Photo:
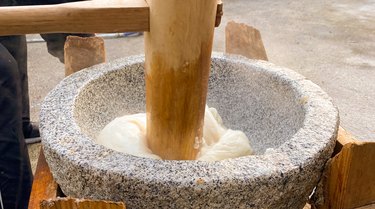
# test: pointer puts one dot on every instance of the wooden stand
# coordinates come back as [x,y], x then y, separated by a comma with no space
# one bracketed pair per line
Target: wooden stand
[45,195]
[71,203]
[44,187]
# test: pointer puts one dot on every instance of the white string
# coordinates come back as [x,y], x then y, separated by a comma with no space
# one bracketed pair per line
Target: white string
[1,201]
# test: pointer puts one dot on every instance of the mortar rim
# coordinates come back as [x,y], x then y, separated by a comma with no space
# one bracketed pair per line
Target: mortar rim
[286,152]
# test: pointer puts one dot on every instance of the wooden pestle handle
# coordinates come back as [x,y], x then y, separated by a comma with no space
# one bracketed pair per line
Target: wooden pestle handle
[178,57]
[98,16]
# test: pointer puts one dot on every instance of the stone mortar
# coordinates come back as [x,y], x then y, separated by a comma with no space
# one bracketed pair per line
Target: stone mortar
[291,123]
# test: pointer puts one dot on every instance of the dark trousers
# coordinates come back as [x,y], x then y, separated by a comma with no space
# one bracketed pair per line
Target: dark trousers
[16,46]
[15,169]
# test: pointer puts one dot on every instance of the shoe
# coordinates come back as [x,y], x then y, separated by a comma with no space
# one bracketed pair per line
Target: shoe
[31,133]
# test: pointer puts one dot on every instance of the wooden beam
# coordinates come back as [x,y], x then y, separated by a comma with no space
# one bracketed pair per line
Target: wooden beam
[98,16]
[95,16]
[44,187]
[178,57]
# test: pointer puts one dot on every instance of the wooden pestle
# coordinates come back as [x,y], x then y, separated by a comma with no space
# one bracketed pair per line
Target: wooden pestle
[178,57]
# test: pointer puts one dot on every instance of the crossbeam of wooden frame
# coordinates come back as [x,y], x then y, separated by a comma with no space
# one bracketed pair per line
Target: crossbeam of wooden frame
[94,16]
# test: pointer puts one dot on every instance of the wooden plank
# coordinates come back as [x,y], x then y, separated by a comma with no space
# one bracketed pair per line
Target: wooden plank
[343,137]
[360,185]
[95,16]
[371,206]
[44,187]
[70,203]
[83,52]
[244,40]
[178,58]
[349,180]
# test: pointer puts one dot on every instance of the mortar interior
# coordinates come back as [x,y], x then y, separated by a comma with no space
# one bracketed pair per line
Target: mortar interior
[266,108]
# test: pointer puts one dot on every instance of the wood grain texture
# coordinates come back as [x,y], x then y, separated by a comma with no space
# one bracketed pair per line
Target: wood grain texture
[244,40]
[71,203]
[349,179]
[83,52]
[97,16]
[44,187]
[178,57]
[371,206]
[343,137]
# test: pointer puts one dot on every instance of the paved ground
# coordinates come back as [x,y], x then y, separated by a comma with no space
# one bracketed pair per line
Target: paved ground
[331,42]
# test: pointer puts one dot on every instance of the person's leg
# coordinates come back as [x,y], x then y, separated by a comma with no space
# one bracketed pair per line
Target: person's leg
[17,47]
[15,169]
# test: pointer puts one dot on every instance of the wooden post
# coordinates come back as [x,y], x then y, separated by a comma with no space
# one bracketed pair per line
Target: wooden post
[178,57]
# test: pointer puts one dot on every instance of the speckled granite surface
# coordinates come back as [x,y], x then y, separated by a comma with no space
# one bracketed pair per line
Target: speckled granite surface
[291,122]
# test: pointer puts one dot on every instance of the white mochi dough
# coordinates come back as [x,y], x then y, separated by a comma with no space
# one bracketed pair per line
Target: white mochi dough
[127,134]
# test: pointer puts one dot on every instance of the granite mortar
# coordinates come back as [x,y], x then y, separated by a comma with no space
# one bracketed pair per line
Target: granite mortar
[291,123]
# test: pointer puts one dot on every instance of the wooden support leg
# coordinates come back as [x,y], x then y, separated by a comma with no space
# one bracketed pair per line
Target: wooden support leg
[70,203]
[44,187]
[79,53]
[244,40]
[178,57]
[349,178]
[83,52]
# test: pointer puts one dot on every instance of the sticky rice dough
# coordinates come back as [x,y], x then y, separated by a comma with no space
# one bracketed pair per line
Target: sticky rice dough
[127,134]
